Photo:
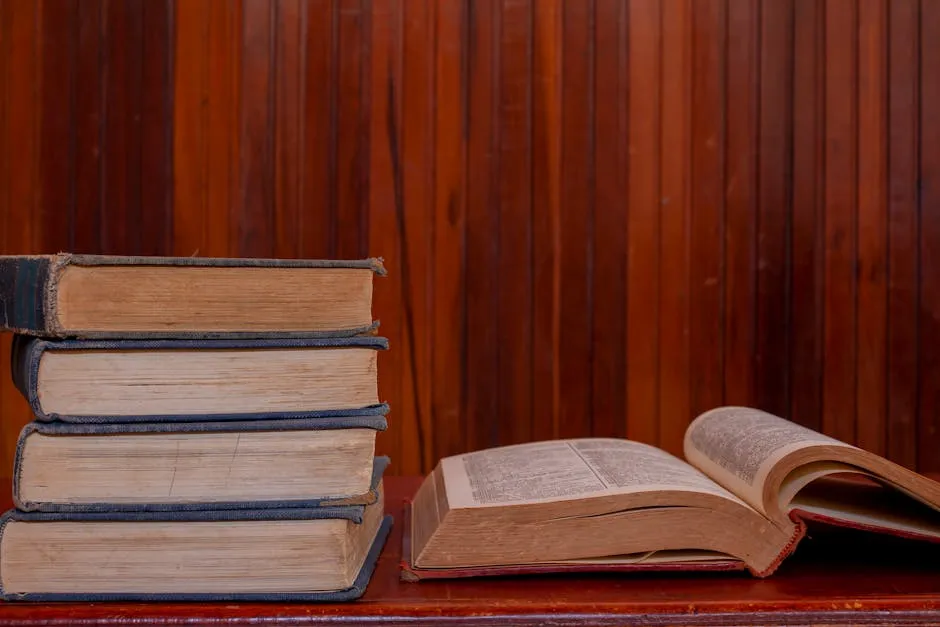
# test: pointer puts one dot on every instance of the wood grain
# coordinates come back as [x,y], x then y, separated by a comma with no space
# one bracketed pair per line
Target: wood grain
[807,245]
[903,223]
[611,86]
[742,132]
[600,217]
[708,279]
[385,196]
[546,218]
[448,317]
[514,237]
[576,219]
[481,136]
[643,217]
[772,258]
[839,367]
[872,262]
[928,324]
[414,221]
[20,27]
[674,269]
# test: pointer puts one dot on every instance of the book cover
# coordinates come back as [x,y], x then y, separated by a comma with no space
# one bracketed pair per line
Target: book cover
[352,513]
[30,298]
[27,352]
[380,463]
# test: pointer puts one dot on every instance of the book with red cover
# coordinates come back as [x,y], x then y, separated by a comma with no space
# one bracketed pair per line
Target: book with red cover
[750,486]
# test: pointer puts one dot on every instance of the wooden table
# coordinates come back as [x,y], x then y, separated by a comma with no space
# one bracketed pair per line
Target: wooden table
[824,583]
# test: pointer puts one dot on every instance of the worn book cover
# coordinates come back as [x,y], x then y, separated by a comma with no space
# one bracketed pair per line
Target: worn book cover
[274,554]
[104,296]
[141,477]
[104,381]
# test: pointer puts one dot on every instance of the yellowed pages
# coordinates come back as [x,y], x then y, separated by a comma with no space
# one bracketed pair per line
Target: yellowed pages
[739,446]
[562,470]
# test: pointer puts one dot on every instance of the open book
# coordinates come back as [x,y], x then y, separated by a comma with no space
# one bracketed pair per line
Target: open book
[741,500]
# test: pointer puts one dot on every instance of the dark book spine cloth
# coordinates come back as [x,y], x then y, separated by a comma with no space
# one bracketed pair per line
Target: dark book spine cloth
[24,290]
[379,464]
[27,352]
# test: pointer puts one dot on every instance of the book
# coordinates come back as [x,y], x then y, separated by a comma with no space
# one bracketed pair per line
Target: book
[268,554]
[61,467]
[741,499]
[197,380]
[105,296]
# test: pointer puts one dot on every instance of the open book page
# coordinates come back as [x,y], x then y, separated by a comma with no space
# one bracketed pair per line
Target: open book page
[868,504]
[738,446]
[566,469]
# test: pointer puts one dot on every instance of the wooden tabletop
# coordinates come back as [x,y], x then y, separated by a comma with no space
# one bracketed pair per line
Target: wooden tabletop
[854,580]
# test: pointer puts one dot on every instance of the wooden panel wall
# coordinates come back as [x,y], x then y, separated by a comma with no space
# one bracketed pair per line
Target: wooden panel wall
[601,217]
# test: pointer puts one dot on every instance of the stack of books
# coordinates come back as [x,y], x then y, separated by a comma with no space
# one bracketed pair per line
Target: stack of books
[204,429]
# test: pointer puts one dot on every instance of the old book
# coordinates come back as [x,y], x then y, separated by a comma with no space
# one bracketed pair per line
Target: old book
[741,499]
[271,554]
[197,380]
[102,296]
[167,466]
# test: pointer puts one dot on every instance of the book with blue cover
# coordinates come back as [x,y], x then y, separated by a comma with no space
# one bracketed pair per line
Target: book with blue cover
[62,467]
[269,554]
[150,380]
[106,296]
[204,429]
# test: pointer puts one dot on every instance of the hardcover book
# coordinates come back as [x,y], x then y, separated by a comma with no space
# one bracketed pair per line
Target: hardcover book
[741,500]
[101,381]
[62,467]
[103,296]
[270,554]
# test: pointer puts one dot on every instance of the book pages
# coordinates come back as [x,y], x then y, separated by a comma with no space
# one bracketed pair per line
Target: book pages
[737,447]
[566,469]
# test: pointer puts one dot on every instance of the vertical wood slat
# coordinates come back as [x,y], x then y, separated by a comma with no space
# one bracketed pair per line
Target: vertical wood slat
[706,332]
[514,265]
[807,245]
[351,164]
[577,112]
[222,111]
[190,152]
[903,176]
[742,133]
[317,200]
[611,86]
[546,218]
[675,190]
[414,222]
[928,329]
[156,143]
[56,206]
[89,115]
[839,382]
[120,175]
[509,160]
[385,195]
[871,264]
[253,224]
[774,145]
[20,140]
[448,317]
[288,126]
[482,223]
[643,214]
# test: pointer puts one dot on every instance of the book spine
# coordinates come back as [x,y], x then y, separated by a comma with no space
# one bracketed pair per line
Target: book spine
[18,502]
[25,299]
[24,364]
